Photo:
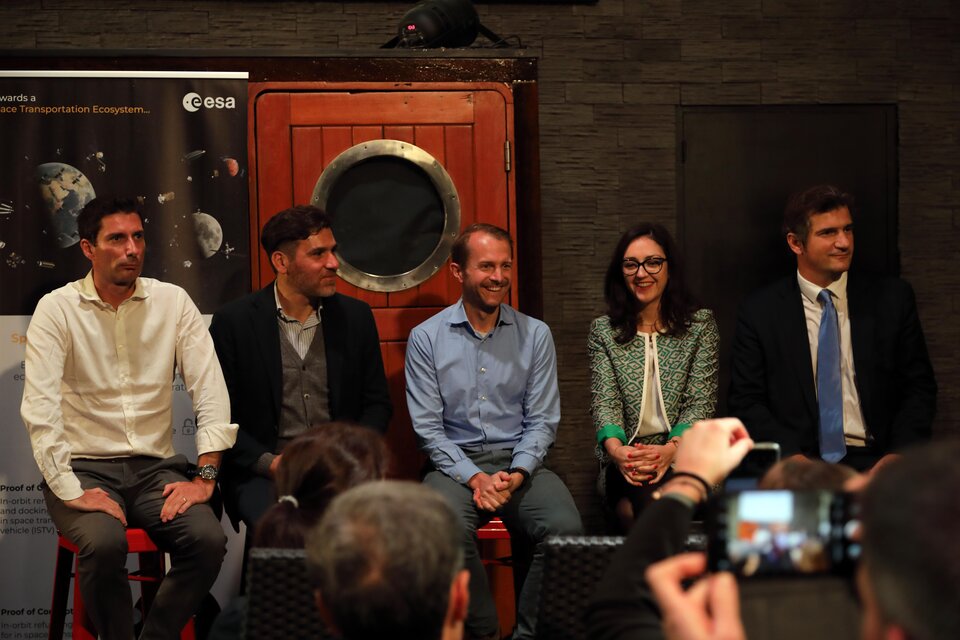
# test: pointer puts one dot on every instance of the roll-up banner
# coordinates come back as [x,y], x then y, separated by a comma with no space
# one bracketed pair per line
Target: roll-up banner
[176,142]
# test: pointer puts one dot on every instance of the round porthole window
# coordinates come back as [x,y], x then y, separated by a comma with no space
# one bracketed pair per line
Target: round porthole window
[395,213]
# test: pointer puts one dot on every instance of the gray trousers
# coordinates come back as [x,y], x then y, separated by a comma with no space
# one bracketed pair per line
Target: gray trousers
[543,507]
[195,541]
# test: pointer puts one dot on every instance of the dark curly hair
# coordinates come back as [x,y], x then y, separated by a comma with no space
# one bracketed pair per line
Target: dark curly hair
[676,304]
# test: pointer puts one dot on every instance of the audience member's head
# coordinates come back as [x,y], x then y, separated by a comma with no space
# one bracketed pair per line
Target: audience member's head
[909,577]
[315,468]
[800,474]
[387,562]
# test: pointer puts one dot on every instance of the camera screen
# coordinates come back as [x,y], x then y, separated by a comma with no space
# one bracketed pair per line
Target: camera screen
[783,532]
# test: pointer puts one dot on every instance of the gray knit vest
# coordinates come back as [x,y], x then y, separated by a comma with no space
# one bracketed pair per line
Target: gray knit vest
[304,403]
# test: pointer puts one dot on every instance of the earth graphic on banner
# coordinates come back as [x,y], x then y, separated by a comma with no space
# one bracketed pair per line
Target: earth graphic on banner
[65,191]
[209,233]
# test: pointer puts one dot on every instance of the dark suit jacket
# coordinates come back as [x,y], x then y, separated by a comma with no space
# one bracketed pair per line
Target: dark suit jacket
[247,340]
[772,386]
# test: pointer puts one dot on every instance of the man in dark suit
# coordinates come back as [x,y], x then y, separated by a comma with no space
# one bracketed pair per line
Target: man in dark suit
[295,354]
[829,364]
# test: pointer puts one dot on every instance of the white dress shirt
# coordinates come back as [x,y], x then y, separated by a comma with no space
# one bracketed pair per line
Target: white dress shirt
[854,430]
[99,380]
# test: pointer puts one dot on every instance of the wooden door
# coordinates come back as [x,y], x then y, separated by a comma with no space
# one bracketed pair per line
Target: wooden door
[299,128]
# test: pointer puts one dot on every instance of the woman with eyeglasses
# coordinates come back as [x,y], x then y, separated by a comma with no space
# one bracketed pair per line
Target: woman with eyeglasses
[653,362]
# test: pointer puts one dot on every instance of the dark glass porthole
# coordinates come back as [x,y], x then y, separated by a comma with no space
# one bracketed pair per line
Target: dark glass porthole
[395,213]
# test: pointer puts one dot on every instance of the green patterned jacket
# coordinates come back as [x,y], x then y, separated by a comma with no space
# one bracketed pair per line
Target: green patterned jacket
[689,366]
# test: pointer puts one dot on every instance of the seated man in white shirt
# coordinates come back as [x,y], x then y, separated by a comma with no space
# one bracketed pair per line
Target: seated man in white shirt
[100,357]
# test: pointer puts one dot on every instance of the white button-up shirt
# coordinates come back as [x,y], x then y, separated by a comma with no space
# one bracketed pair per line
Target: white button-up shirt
[99,380]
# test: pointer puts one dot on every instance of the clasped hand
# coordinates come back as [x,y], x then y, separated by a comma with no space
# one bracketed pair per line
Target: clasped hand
[492,491]
[642,463]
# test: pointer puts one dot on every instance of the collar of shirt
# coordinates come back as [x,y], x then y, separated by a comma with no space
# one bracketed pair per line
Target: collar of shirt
[281,315]
[88,290]
[811,291]
[507,315]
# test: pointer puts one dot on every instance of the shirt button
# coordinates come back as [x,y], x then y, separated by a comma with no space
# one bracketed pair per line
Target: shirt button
[483,397]
[306,396]
[483,369]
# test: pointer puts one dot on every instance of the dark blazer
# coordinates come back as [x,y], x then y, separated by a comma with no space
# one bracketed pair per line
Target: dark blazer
[247,340]
[772,387]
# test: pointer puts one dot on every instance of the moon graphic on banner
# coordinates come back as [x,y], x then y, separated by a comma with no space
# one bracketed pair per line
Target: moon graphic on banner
[65,191]
[209,233]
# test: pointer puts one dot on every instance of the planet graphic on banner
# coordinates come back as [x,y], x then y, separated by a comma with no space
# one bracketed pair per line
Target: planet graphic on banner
[209,233]
[233,167]
[65,191]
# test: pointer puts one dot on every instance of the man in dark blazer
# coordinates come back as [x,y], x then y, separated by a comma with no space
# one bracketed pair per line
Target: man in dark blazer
[888,392]
[281,381]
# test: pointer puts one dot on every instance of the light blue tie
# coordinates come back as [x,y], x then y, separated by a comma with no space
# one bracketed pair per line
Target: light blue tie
[829,385]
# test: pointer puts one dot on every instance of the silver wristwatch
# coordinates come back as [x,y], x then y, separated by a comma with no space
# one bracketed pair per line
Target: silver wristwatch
[207,472]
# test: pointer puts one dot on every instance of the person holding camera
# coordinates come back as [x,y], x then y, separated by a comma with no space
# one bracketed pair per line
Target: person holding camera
[908,577]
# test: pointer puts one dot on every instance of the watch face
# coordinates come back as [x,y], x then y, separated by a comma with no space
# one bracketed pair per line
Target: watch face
[208,472]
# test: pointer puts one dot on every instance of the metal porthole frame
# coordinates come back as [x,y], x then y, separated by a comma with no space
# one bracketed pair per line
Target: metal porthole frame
[441,182]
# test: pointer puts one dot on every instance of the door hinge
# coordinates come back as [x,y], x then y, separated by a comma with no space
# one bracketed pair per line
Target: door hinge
[506,156]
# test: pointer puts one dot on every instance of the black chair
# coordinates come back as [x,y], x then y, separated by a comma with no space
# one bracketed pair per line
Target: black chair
[785,608]
[572,567]
[280,602]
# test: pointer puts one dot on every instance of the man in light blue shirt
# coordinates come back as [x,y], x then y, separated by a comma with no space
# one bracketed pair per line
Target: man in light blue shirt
[483,398]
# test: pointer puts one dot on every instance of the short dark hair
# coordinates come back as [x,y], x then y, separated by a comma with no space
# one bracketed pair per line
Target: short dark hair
[805,474]
[383,558]
[677,305]
[316,467]
[803,204]
[88,221]
[460,253]
[911,520]
[292,225]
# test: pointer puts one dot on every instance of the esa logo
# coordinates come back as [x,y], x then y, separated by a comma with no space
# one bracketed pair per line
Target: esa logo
[192,102]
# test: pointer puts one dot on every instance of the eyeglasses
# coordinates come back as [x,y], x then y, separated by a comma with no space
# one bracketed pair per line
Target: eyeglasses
[652,266]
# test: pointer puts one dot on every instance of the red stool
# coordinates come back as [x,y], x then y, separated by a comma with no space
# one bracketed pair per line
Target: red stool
[493,530]
[495,552]
[152,568]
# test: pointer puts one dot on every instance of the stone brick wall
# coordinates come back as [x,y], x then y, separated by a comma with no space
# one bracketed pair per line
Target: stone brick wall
[612,75]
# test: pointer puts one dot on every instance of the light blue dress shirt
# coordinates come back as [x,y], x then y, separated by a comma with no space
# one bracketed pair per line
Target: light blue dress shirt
[469,393]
